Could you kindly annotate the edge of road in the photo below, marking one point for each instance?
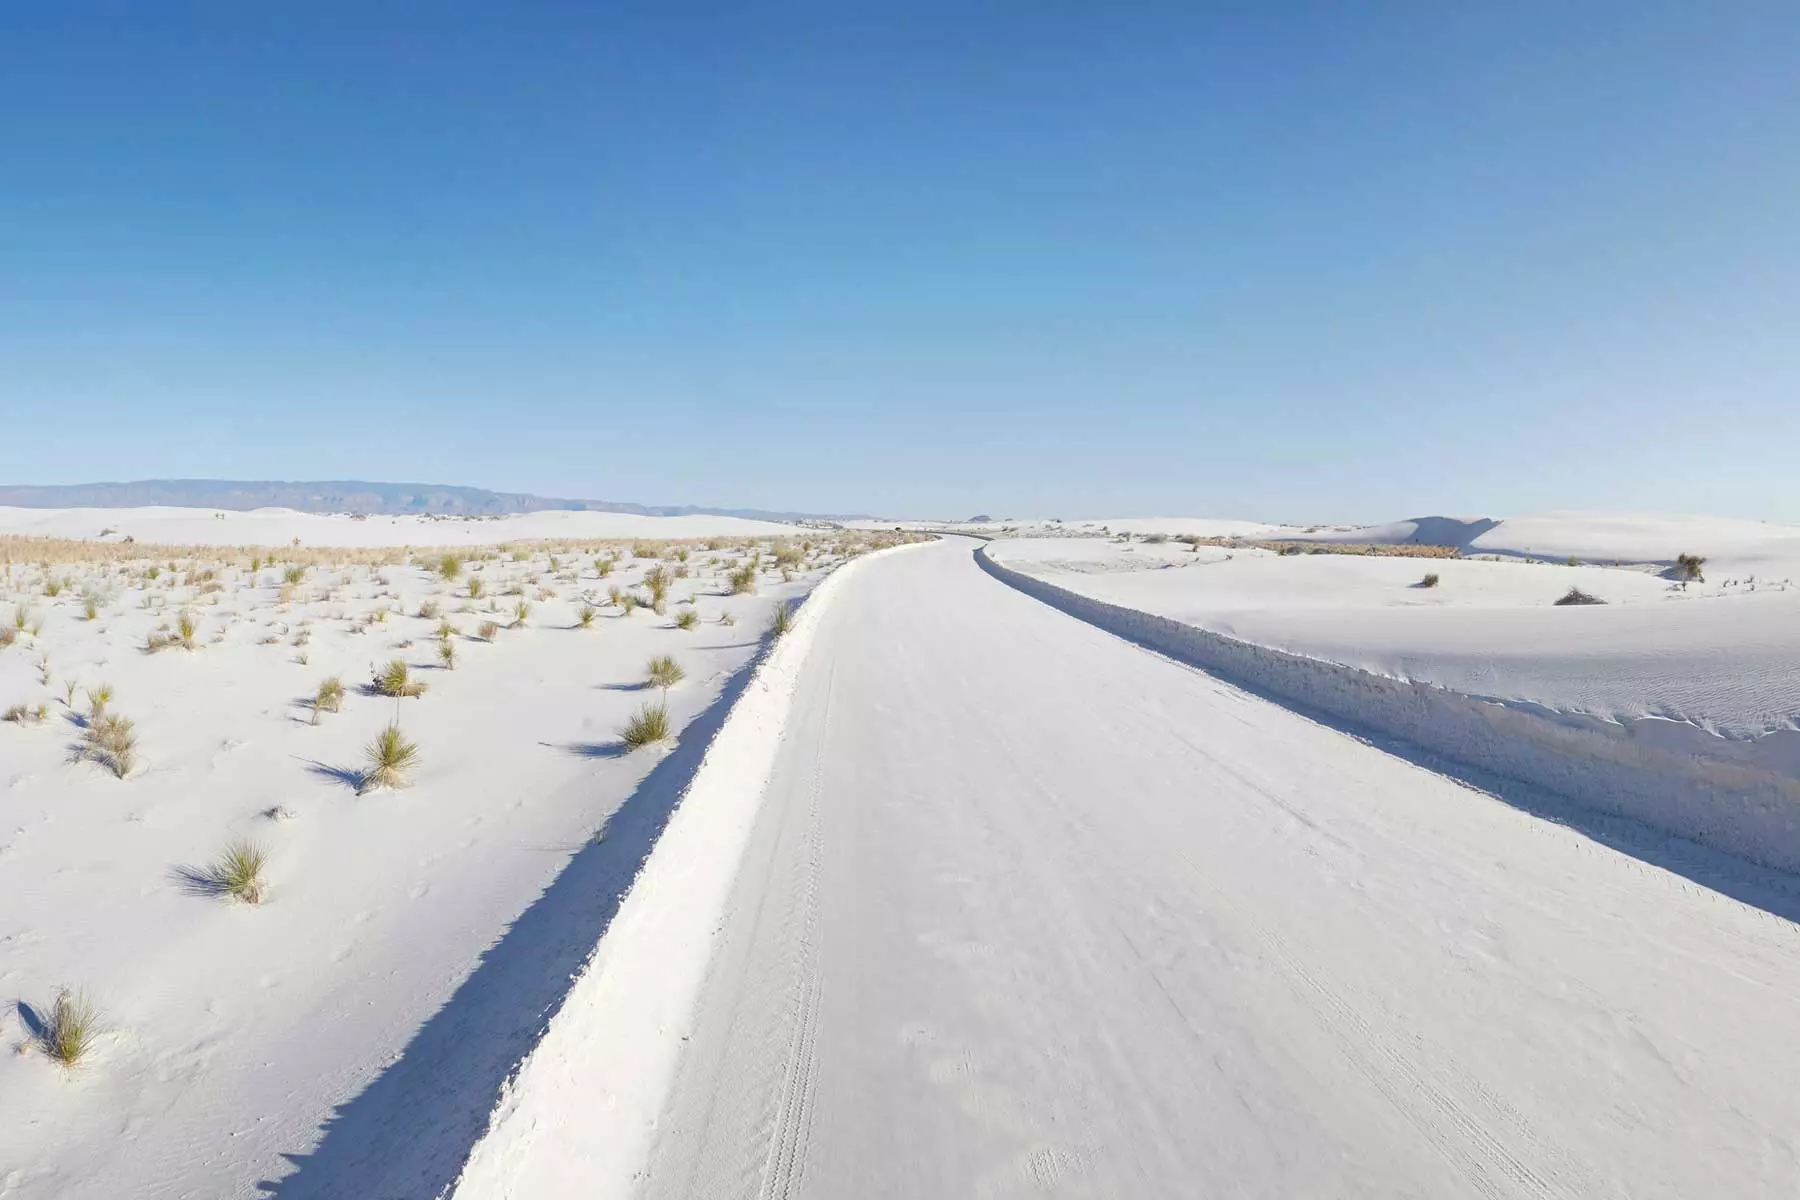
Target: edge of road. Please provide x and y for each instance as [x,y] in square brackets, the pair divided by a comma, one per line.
[1743,811]
[579,1113]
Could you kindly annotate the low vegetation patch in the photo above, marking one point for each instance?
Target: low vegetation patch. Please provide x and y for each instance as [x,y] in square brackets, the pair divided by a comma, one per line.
[1430,580]
[664,672]
[1576,596]
[71,1028]
[396,679]
[390,757]
[237,872]
[648,726]
[782,621]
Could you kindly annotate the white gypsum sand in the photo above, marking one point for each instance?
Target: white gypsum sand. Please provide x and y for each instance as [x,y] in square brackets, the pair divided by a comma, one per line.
[229,1033]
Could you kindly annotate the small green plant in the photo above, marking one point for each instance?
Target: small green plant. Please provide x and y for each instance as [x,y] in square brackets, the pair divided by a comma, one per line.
[1687,568]
[294,575]
[687,619]
[90,608]
[71,1028]
[782,621]
[98,698]
[255,566]
[390,756]
[329,698]
[647,726]
[521,610]
[664,672]
[584,616]
[396,679]
[474,589]
[53,588]
[449,566]
[238,872]
[603,567]
[154,571]
[628,604]
[447,654]
[1430,580]
[657,580]
[185,628]
[742,580]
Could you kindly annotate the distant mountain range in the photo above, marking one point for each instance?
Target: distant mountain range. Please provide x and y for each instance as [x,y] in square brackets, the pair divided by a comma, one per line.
[347,496]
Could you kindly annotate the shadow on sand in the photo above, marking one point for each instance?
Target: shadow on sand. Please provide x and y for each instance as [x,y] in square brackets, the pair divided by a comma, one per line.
[411,1130]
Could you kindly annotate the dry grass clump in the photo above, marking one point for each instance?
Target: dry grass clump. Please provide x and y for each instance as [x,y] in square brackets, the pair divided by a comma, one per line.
[474,588]
[521,610]
[487,631]
[449,566]
[584,616]
[20,714]
[663,672]
[396,679]
[688,619]
[447,654]
[647,726]
[390,756]
[1430,580]
[112,742]
[329,697]
[71,1029]
[627,604]
[743,579]
[1576,596]
[1687,568]
[429,610]
[293,575]
[782,621]
[603,567]
[657,581]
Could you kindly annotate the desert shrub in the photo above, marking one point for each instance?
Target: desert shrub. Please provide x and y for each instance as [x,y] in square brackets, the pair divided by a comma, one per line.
[584,616]
[154,570]
[647,726]
[90,608]
[20,714]
[430,610]
[664,672]
[71,1028]
[449,566]
[293,576]
[390,756]
[1687,568]
[628,604]
[1155,539]
[447,654]
[614,595]
[238,872]
[487,631]
[743,579]
[112,741]
[1576,596]
[782,621]
[98,698]
[255,566]
[603,567]
[186,627]
[657,580]
[687,620]
[474,589]
[396,680]
[521,610]
[53,588]
[1288,549]
[1430,580]
[445,630]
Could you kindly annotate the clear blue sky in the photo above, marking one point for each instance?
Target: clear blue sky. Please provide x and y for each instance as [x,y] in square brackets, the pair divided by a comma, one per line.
[1295,261]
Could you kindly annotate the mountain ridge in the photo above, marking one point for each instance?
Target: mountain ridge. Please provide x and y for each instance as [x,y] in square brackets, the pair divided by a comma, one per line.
[351,496]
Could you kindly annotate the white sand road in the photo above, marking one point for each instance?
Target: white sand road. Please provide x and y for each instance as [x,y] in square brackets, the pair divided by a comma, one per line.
[1030,911]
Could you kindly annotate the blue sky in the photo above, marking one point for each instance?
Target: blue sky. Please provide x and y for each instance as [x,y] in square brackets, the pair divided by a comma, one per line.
[1290,261]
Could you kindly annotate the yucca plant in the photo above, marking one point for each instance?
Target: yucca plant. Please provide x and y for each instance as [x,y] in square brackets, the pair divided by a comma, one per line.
[98,698]
[447,654]
[647,726]
[614,596]
[90,608]
[390,757]
[449,566]
[445,630]
[185,628]
[237,872]
[603,567]
[521,610]
[782,621]
[72,1027]
[628,604]
[743,579]
[396,679]
[474,589]
[687,619]
[658,582]
[584,616]
[664,672]
[294,575]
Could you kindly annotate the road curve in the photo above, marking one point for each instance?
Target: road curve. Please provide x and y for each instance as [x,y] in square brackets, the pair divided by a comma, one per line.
[1031,912]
